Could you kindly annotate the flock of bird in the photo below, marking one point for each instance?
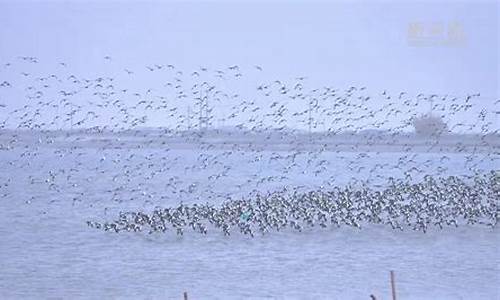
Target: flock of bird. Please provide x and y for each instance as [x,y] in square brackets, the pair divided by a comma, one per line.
[420,206]
[121,137]
[209,98]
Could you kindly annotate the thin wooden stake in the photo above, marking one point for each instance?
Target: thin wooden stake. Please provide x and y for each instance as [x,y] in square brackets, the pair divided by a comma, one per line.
[185,296]
[393,286]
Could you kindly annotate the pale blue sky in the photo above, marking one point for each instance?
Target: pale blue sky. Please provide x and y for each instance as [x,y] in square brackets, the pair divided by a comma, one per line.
[361,43]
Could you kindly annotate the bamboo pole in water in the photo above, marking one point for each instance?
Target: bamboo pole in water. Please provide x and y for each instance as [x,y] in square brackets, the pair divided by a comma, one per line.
[393,286]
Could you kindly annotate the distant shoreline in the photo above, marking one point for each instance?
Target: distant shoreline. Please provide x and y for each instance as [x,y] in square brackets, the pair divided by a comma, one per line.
[273,140]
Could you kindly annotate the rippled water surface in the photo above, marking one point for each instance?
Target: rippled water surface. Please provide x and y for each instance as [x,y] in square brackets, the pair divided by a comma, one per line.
[47,250]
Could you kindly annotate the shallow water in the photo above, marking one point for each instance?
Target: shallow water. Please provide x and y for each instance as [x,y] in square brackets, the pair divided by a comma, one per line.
[47,250]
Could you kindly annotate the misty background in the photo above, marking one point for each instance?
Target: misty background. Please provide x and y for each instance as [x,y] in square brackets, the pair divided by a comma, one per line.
[446,49]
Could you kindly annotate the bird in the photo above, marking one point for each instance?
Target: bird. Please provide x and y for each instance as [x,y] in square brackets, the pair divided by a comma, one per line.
[324,144]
